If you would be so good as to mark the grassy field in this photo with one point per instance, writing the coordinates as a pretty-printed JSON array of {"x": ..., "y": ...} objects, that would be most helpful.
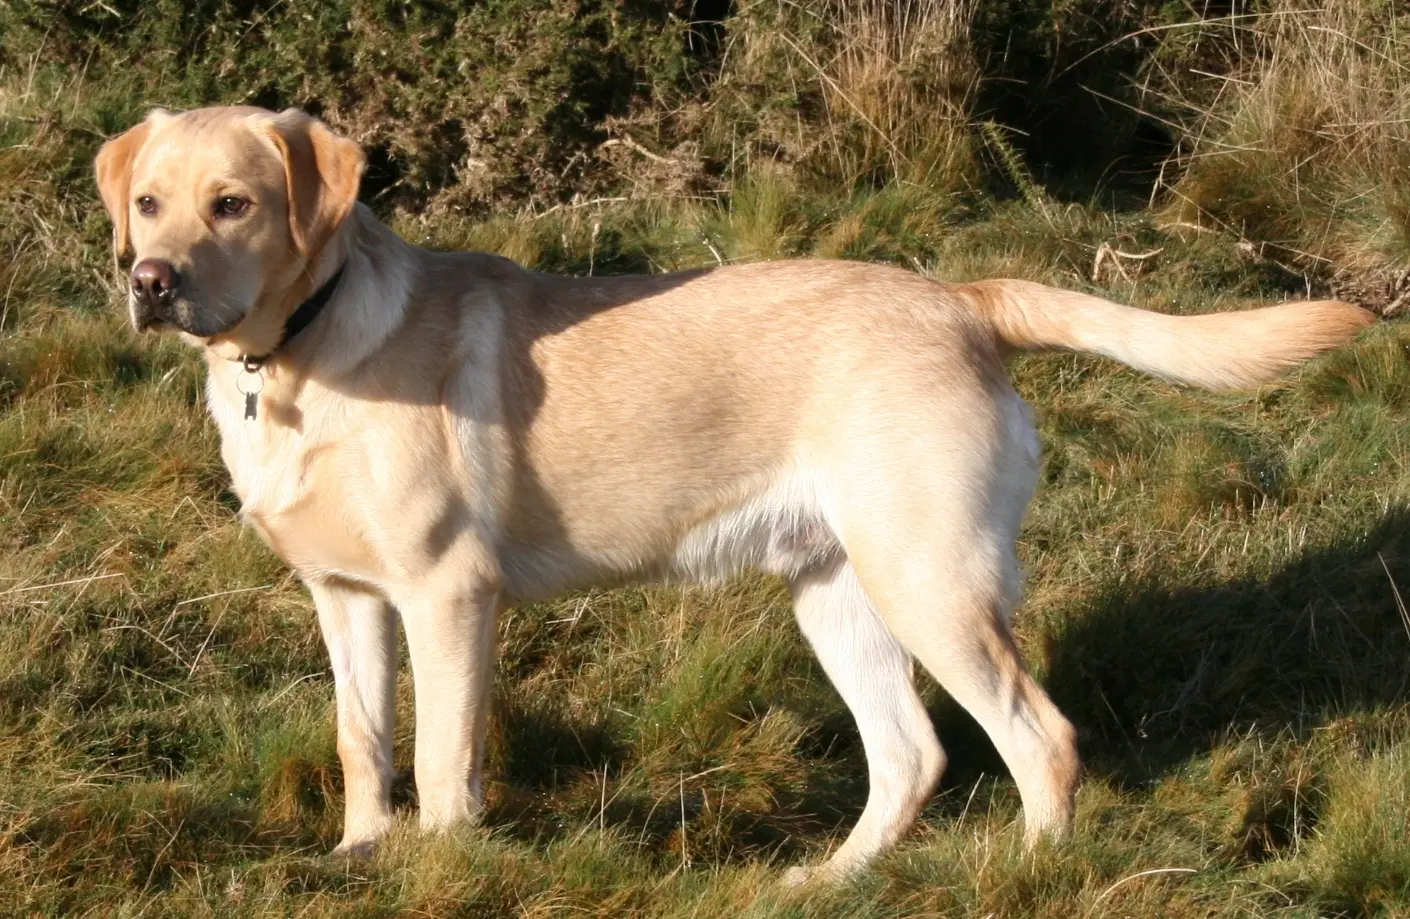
[{"x": 1215, "y": 582}]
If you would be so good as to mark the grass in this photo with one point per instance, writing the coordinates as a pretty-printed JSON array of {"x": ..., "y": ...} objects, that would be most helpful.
[
  {"x": 1297, "y": 140},
  {"x": 1214, "y": 586}
]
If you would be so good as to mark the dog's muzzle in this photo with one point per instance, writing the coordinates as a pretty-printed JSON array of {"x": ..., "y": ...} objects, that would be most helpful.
[{"x": 155, "y": 287}]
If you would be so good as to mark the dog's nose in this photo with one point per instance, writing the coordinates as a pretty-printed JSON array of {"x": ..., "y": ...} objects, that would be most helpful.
[{"x": 154, "y": 282}]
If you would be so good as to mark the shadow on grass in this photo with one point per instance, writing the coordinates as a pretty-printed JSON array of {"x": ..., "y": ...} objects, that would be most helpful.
[
  {"x": 1153, "y": 672},
  {"x": 551, "y": 786}
]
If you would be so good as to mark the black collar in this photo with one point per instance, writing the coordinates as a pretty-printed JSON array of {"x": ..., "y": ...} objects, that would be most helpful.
[{"x": 298, "y": 321}]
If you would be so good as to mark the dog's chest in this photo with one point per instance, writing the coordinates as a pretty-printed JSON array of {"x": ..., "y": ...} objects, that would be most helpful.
[{"x": 295, "y": 493}]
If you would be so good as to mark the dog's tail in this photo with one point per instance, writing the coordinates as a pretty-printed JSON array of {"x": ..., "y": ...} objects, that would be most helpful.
[{"x": 1215, "y": 351}]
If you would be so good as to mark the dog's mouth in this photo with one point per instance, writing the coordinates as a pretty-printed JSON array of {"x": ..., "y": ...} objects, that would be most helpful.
[{"x": 182, "y": 315}]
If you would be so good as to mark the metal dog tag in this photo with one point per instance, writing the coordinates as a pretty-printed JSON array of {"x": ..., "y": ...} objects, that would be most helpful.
[{"x": 250, "y": 388}]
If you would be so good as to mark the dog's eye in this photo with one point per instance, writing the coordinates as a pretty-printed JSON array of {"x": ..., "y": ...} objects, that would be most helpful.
[
  {"x": 147, "y": 205},
  {"x": 230, "y": 206}
]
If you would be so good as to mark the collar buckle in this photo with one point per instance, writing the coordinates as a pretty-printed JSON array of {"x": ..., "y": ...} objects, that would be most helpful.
[{"x": 299, "y": 320}]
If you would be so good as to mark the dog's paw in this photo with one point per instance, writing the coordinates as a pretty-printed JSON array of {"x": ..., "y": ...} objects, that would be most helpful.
[
  {"x": 355, "y": 849},
  {"x": 829, "y": 874},
  {"x": 795, "y": 877},
  {"x": 807, "y": 876}
]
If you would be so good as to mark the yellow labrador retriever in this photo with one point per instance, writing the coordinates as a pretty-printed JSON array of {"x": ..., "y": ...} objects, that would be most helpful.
[{"x": 435, "y": 435}]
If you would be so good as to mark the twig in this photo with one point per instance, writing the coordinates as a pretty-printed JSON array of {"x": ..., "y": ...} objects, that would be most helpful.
[
  {"x": 1399, "y": 603},
  {"x": 287, "y": 689},
  {"x": 691, "y": 778},
  {"x": 166, "y": 686},
  {"x": 1232, "y": 19},
  {"x": 223, "y": 593},
  {"x": 202, "y": 650},
  {"x": 970, "y": 800},
  {"x": 636, "y": 148},
  {"x": 574, "y": 205},
  {"x": 1107, "y": 252},
  {"x": 1401, "y": 294},
  {"x": 137, "y": 628},
  {"x": 88, "y": 580},
  {"x": 1141, "y": 874},
  {"x": 685, "y": 852},
  {"x": 1184, "y": 225}
]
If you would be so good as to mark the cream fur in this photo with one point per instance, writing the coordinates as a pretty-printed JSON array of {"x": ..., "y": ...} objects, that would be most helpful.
[{"x": 455, "y": 433}]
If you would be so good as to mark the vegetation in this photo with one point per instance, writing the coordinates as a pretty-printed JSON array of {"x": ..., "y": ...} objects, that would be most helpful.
[{"x": 1214, "y": 593}]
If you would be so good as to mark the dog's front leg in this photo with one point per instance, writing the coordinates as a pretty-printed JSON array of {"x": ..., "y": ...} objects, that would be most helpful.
[
  {"x": 359, "y": 630},
  {"x": 449, "y": 618}
]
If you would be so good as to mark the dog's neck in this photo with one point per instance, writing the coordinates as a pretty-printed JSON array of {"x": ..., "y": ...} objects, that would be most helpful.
[{"x": 367, "y": 305}]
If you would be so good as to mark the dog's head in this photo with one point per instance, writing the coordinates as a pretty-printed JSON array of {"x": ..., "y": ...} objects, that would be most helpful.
[{"x": 224, "y": 210}]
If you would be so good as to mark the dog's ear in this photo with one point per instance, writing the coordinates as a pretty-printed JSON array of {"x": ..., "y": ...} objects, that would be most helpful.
[
  {"x": 113, "y": 167},
  {"x": 322, "y": 172}
]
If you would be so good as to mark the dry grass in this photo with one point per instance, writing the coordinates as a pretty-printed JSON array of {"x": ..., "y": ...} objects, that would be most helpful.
[
  {"x": 1213, "y": 584},
  {"x": 1299, "y": 140},
  {"x": 852, "y": 94}
]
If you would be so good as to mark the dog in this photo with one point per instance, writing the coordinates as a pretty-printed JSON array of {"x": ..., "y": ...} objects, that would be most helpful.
[{"x": 430, "y": 436}]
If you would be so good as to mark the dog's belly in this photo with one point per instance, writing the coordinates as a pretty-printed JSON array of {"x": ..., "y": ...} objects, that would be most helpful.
[{"x": 781, "y": 530}]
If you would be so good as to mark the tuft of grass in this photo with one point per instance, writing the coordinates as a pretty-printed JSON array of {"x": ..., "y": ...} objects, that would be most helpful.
[
  {"x": 1356, "y": 860},
  {"x": 1297, "y": 141}
]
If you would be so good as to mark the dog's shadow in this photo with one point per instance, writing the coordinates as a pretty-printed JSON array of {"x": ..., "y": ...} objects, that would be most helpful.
[
  {"x": 1152, "y": 672},
  {"x": 1155, "y": 672}
]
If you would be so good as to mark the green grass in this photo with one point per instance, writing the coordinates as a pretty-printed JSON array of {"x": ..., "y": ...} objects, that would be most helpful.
[{"x": 1213, "y": 599}]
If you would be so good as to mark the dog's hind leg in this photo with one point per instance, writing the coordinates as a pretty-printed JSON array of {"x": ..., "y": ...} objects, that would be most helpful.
[
  {"x": 872, "y": 673},
  {"x": 930, "y": 530},
  {"x": 960, "y": 632}
]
